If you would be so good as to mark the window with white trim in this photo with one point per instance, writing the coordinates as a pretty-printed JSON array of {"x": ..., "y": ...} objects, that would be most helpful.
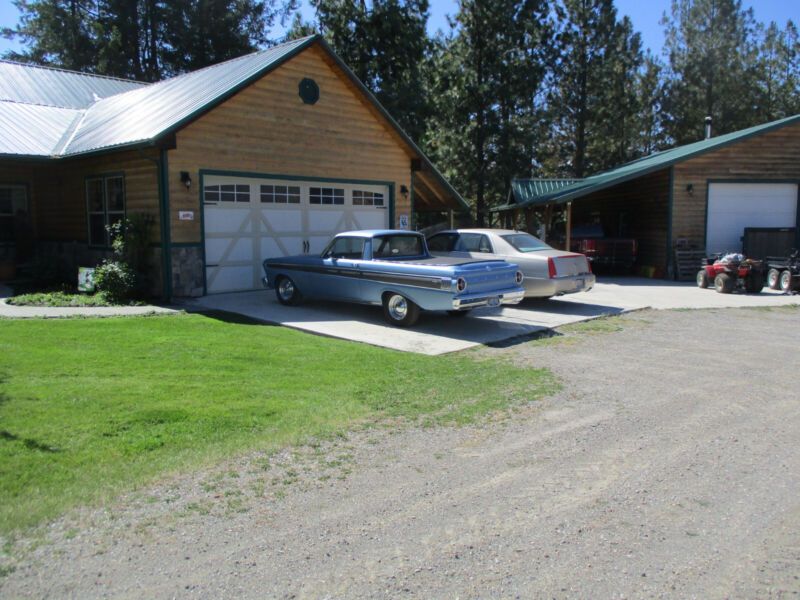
[
  {"x": 105, "y": 205},
  {"x": 320, "y": 195},
  {"x": 226, "y": 192},
  {"x": 280, "y": 194},
  {"x": 364, "y": 198},
  {"x": 13, "y": 198}
]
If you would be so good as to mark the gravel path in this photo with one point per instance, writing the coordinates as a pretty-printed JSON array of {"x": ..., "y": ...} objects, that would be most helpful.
[{"x": 669, "y": 466}]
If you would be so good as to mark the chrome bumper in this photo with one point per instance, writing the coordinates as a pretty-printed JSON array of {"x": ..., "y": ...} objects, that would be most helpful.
[{"x": 468, "y": 302}]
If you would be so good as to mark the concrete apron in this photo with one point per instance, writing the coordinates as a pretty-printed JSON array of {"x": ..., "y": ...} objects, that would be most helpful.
[{"x": 437, "y": 333}]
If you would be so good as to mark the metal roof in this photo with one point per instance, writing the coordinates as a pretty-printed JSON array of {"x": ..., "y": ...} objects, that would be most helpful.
[
  {"x": 152, "y": 111},
  {"x": 31, "y": 130},
  {"x": 642, "y": 166},
  {"x": 34, "y": 84},
  {"x": 524, "y": 190},
  {"x": 113, "y": 113}
]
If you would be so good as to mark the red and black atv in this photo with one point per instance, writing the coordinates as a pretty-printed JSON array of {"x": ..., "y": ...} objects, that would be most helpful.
[{"x": 730, "y": 272}]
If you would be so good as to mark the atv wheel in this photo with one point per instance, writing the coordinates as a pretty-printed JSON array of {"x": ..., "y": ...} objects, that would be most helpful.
[
  {"x": 724, "y": 283},
  {"x": 774, "y": 279},
  {"x": 702, "y": 279},
  {"x": 787, "y": 281},
  {"x": 753, "y": 284}
]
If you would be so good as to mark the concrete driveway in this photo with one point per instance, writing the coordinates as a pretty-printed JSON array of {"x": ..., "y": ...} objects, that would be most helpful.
[{"x": 436, "y": 333}]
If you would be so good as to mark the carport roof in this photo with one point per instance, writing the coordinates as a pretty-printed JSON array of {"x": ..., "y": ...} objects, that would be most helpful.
[{"x": 528, "y": 193}]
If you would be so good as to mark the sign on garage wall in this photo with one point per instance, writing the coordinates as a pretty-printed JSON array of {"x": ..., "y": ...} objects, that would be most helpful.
[{"x": 249, "y": 219}]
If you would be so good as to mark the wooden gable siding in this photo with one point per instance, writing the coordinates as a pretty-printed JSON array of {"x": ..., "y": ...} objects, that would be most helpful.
[
  {"x": 57, "y": 191},
  {"x": 266, "y": 128},
  {"x": 645, "y": 203},
  {"x": 772, "y": 156}
]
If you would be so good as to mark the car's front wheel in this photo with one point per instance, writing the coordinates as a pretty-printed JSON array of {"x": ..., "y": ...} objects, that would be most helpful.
[
  {"x": 399, "y": 310},
  {"x": 286, "y": 291}
]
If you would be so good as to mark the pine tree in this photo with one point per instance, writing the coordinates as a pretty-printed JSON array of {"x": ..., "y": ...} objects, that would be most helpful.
[
  {"x": 778, "y": 69},
  {"x": 711, "y": 47}
]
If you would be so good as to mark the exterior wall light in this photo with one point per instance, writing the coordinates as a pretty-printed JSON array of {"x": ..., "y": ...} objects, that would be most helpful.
[
  {"x": 690, "y": 189},
  {"x": 186, "y": 179},
  {"x": 404, "y": 191}
]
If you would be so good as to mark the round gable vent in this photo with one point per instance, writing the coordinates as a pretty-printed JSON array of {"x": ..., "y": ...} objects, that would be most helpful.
[{"x": 309, "y": 91}]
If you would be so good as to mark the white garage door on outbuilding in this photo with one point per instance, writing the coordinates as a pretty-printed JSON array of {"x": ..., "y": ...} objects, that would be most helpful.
[
  {"x": 249, "y": 219},
  {"x": 734, "y": 206}
]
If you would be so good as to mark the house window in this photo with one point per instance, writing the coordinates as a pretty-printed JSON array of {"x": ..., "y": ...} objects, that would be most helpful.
[
  {"x": 326, "y": 195},
  {"x": 280, "y": 194},
  {"x": 105, "y": 201},
  {"x": 362, "y": 198},
  {"x": 13, "y": 198},
  {"x": 226, "y": 193}
]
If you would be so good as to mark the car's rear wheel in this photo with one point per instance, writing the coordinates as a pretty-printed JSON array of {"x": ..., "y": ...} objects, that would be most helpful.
[
  {"x": 774, "y": 279},
  {"x": 399, "y": 310},
  {"x": 458, "y": 313},
  {"x": 702, "y": 279},
  {"x": 287, "y": 292},
  {"x": 723, "y": 283},
  {"x": 787, "y": 281}
]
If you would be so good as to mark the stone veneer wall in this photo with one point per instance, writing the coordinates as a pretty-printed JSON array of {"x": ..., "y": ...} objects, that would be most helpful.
[{"x": 187, "y": 271}]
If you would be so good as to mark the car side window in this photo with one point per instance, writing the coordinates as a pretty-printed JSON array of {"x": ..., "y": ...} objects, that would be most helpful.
[
  {"x": 346, "y": 247},
  {"x": 442, "y": 242},
  {"x": 473, "y": 242}
]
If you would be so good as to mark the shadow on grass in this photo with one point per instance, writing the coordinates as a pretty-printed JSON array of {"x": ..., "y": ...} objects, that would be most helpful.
[
  {"x": 231, "y": 317},
  {"x": 29, "y": 443},
  {"x": 524, "y": 339}
]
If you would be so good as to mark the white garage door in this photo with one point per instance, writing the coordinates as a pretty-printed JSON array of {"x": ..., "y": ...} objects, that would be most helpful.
[
  {"x": 734, "y": 206},
  {"x": 249, "y": 219}
]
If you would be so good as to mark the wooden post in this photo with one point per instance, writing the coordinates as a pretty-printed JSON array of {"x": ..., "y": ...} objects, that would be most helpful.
[
  {"x": 569, "y": 227},
  {"x": 450, "y": 218}
]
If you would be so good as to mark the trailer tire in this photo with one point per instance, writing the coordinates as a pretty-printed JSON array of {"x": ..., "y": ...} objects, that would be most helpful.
[
  {"x": 788, "y": 281},
  {"x": 724, "y": 283},
  {"x": 774, "y": 279}
]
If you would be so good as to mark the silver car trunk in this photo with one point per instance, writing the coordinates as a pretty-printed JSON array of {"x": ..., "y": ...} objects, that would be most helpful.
[{"x": 571, "y": 265}]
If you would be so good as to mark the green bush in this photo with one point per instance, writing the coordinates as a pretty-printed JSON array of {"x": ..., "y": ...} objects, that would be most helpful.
[{"x": 116, "y": 280}]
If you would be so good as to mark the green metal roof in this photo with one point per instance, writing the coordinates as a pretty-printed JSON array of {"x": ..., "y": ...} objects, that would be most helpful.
[
  {"x": 85, "y": 114},
  {"x": 526, "y": 190},
  {"x": 538, "y": 195}
]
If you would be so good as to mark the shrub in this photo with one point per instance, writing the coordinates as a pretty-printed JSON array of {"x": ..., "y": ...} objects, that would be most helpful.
[{"x": 116, "y": 280}]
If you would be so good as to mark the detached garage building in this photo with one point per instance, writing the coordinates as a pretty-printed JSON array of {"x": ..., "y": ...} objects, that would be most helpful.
[
  {"x": 266, "y": 155},
  {"x": 701, "y": 195}
]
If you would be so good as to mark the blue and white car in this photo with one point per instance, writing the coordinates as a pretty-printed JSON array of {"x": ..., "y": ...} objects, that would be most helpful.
[{"x": 393, "y": 269}]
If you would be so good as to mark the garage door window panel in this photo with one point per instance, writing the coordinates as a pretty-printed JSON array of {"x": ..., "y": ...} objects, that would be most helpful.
[
  {"x": 226, "y": 193},
  {"x": 280, "y": 194},
  {"x": 322, "y": 196},
  {"x": 366, "y": 198},
  {"x": 105, "y": 204}
]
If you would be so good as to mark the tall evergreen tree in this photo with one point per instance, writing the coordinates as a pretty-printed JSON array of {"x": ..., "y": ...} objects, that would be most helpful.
[
  {"x": 778, "y": 72},
  {"x": 711, "y": 48},
  {"x": 592, "y": 100},
  {"x": 385, "y": 44},
  {"x": 142, "y": 39},
  {"x": 486, "y": 76}
]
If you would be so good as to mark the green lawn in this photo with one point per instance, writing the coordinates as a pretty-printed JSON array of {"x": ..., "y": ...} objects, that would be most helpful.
[{"x": 93, "y": 407}]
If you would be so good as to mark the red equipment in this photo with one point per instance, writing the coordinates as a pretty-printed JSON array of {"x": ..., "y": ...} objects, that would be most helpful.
[{"x": 730, "y": 272}]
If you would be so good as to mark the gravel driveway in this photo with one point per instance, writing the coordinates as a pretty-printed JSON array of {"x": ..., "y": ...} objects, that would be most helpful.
[{"x": 668, "y": 466}]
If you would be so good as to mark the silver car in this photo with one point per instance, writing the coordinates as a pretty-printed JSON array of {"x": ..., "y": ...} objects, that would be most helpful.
[{"x": 548, "y": 272}]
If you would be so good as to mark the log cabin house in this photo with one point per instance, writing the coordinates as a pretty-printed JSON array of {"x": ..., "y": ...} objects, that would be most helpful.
[{"x": 265, "y": 155}]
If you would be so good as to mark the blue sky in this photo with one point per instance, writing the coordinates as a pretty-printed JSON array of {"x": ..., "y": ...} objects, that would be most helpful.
[{"x": 645, "y": 15}]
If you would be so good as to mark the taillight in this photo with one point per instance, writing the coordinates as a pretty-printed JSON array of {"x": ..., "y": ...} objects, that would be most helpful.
[
  {"x": 551, "y": 268},
  {"x": 461, "y": 284},
  {"x": 518, "y": 277}
]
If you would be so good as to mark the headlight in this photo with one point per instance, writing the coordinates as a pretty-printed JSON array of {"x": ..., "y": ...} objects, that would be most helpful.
[
  {"x": 461, "y": 284},
  {"x": 518, "y": 277}
]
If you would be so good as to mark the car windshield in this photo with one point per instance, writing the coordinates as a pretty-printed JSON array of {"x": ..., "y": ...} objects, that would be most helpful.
[
  {"x": 397, "y": 246},
  {"x": 525, "y": 242}
]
